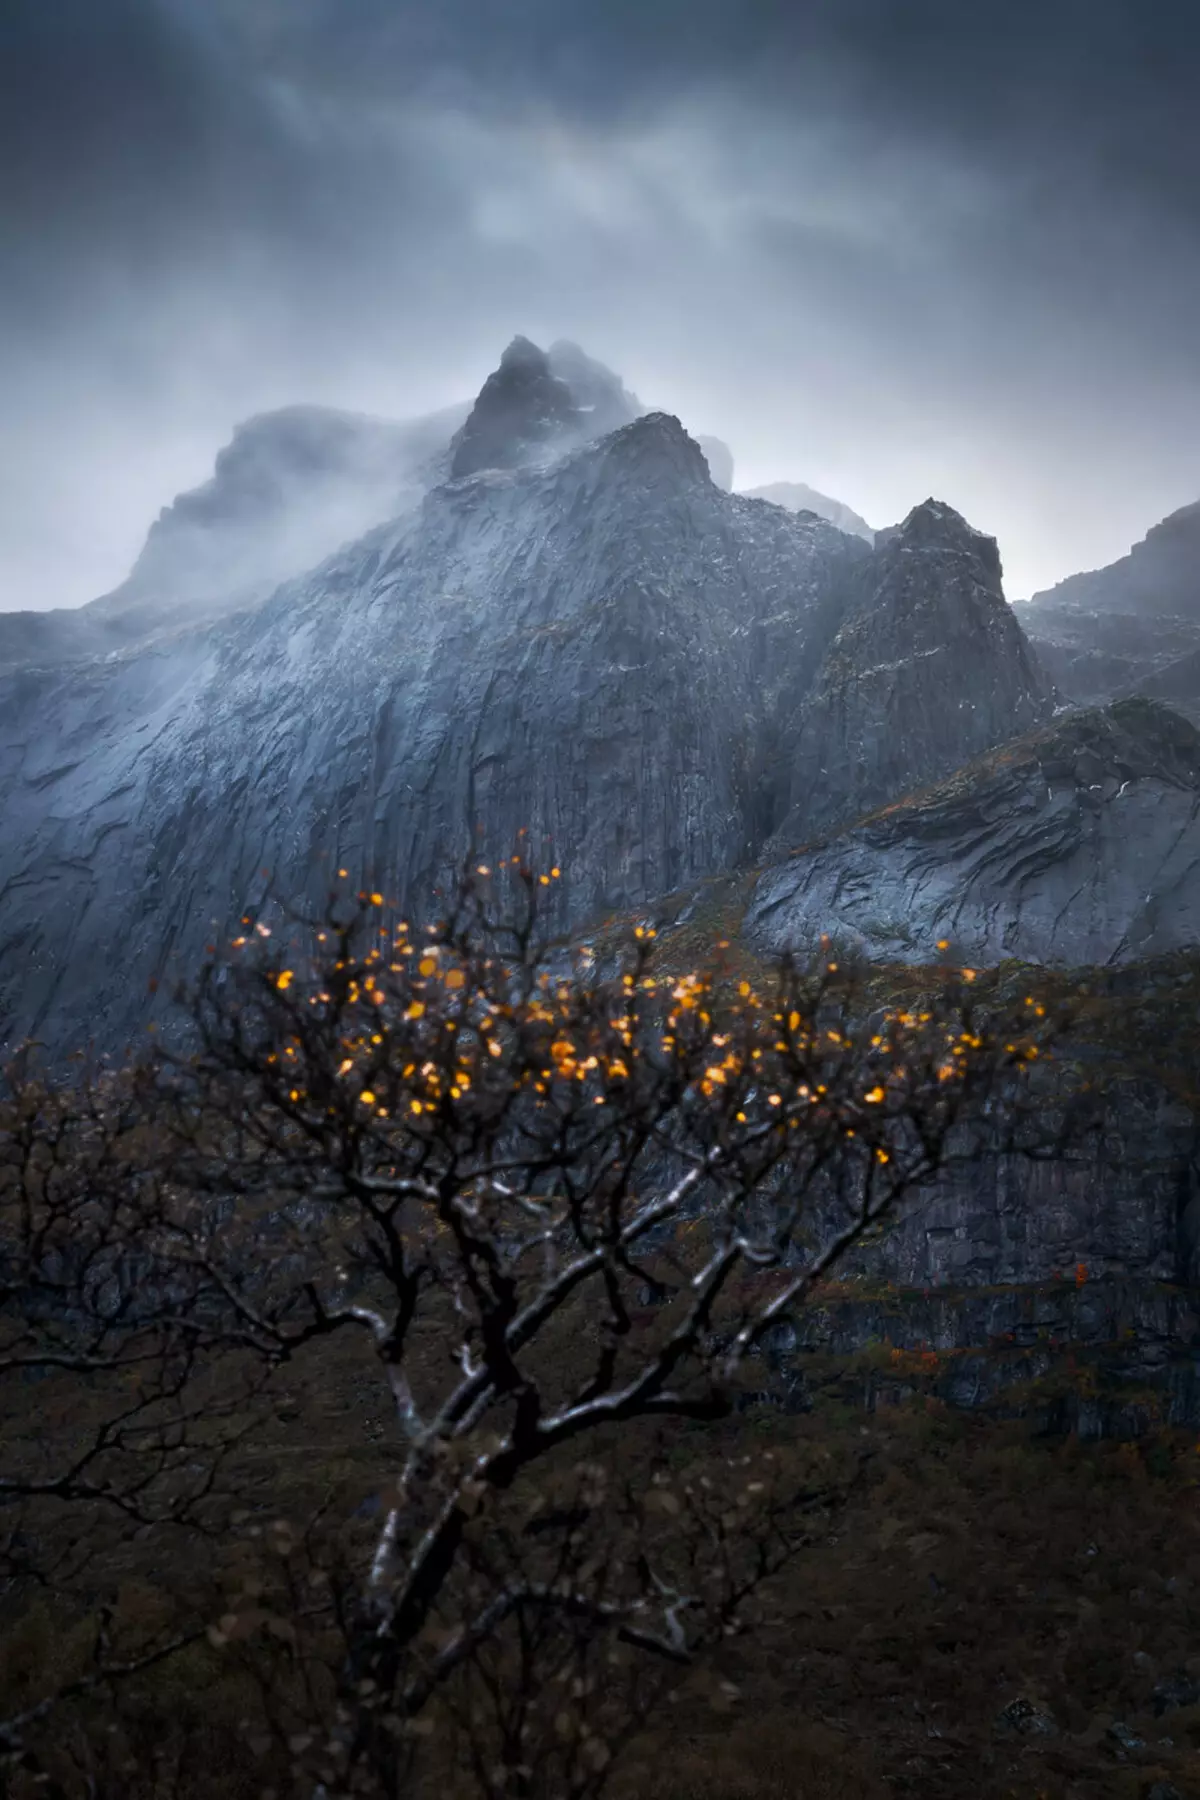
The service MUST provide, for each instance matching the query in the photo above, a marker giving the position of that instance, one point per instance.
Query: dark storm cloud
(885, 247)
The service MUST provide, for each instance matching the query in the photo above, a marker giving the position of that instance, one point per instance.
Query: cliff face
(1077, 844)
(589, 651)
(928, 669)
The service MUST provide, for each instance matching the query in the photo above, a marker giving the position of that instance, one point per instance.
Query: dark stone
(1174, 1691)
(522, 408)
(1027, 1718)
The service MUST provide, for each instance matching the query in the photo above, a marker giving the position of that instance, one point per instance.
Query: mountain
(287, 489)
(1131, 627)
(797, 496)
(557, 625)
(372, 647)
(526, 411)
(590, 647)
(929, 668)
(1076, 843)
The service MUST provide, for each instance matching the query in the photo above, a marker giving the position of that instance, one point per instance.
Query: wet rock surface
(1077, 844)
(591, 652)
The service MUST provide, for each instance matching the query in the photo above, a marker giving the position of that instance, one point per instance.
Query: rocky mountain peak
(286, 491)
(930, 668)
(283, 466)
(937, 528)
(522, 408)
(655, 450)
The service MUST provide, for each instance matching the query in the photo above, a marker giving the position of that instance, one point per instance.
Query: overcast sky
(888, 247)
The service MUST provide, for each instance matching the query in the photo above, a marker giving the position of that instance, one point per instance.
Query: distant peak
(798, 496)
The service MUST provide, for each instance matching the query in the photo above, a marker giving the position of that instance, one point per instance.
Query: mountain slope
(1078, 843)
(287, 489)
(589, 651)
(1117, 630)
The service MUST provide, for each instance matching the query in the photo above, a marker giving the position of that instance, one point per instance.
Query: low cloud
(888, 251)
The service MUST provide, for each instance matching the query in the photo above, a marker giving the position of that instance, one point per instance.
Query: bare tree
(560, 1208)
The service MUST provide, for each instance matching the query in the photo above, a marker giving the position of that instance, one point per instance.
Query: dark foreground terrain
(984, 1609)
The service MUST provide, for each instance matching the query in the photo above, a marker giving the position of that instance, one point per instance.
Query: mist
(886, 250)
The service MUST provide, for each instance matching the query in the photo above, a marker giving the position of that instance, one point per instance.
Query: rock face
(1077, 844)
(589, 650)
(797, 496)
(930, 668)
(286, 491)
(1133, 627)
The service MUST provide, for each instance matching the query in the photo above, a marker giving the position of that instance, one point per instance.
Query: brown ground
(975, 1566)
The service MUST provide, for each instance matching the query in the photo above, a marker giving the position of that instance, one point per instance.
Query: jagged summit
(654, 450)
(522, 408)
(929, 669)
(539, 403)
(288, 488)
(1074, 844)
(935, 526)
